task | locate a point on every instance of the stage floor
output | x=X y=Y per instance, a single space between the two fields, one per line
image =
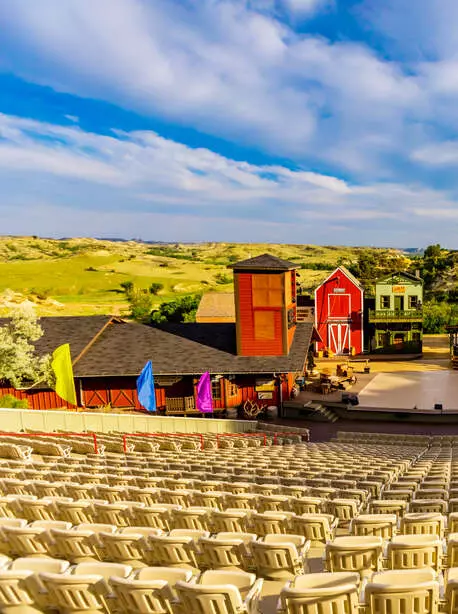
x=409 y=390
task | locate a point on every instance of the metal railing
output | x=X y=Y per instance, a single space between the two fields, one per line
x=93 y=436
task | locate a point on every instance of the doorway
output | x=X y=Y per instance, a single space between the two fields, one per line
x=399 y=303
x=339 y=338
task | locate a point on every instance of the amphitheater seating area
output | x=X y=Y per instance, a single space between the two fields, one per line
x=180 y=523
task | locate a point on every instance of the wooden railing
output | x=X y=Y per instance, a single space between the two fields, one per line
x=389 y=315
x=179 y=404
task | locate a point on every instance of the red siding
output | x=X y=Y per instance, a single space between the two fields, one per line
x=338 y=315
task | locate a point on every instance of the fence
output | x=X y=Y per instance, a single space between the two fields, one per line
x=28 y=435
x=16 y=420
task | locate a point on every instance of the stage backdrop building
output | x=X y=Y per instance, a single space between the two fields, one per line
x=396 y=322
x=257 y=358
x=339 y=313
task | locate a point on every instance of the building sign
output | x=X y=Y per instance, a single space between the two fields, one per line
x=399 y=289
x=264 y=385
x=265 y=396
x=339 y=290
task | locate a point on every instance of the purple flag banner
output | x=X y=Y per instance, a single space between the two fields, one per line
x=204 y=394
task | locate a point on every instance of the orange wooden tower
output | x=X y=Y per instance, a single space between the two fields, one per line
x=265 y=305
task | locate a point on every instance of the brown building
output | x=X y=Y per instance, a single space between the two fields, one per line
x=257 y=358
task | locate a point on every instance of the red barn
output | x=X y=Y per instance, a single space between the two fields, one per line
x=339 y=313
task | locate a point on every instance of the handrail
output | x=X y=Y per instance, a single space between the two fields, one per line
x=218 y=435
x=126 y=435
x=88 y=434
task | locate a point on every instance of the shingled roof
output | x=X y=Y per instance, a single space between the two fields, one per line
x=106 y=346
x=124 y=347
x=78 y=331
x=265 y=262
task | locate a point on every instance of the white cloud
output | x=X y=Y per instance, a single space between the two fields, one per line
x=437 y=154
x=227 y=68
x=140 y=184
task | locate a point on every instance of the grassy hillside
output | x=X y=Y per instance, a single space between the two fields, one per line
x=83 y=276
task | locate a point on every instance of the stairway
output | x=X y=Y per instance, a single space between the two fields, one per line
x=324 y=411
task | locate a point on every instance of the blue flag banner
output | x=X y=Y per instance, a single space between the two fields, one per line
x=145 y=387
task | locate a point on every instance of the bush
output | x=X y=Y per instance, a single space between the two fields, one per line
x=181 y=310
x=10 y=402
x=223 y=279
x=141 y=304
x=436 y=316
x=127 y=286
x=155 y=288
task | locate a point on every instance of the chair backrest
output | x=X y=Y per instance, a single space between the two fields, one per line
x=341 y=599
x=415 y=552
x=276 y=560
x=142 y=596
x=423 y=524
x=408 y=591
x=200 y=599
x=361 y=554
x=76 y=593
x=378 y=525
x=315 y=527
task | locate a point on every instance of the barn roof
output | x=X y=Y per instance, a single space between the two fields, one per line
x=78 y=331
x=124 y=347
x=108 y=346
x=216 y=305
x=347 y=273
x=265 y=262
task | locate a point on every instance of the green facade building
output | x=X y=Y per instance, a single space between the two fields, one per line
x=396 y=322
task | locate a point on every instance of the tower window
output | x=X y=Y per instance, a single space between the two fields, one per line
x=264 y=325
x=267 y=290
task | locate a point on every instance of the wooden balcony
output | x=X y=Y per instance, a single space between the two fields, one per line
x=388 y=315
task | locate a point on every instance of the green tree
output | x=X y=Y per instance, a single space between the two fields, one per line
x=436 y=317
x=181 y=310
x=19 y=365
x=128 y=287
x=155 y=288
x=141 y=304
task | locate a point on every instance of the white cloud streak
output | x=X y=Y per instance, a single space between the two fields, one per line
x=147 y=179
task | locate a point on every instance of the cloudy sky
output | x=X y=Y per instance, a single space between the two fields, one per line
x=306 y=121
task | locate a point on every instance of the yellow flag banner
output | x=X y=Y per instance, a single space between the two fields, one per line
x=62 y=367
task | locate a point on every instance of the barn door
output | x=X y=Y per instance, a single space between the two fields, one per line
x=339 y=338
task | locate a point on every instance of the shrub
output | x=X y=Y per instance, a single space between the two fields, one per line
x=127 y=286
x=10 y=402
x=141 y=304
x=155 y=288
x=181 y=310
x=223 y=279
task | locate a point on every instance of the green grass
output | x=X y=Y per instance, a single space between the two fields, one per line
x=84 y=275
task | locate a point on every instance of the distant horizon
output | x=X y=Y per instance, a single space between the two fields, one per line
x=203 y=242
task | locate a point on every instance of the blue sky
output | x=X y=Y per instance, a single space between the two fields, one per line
x=302 y=121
